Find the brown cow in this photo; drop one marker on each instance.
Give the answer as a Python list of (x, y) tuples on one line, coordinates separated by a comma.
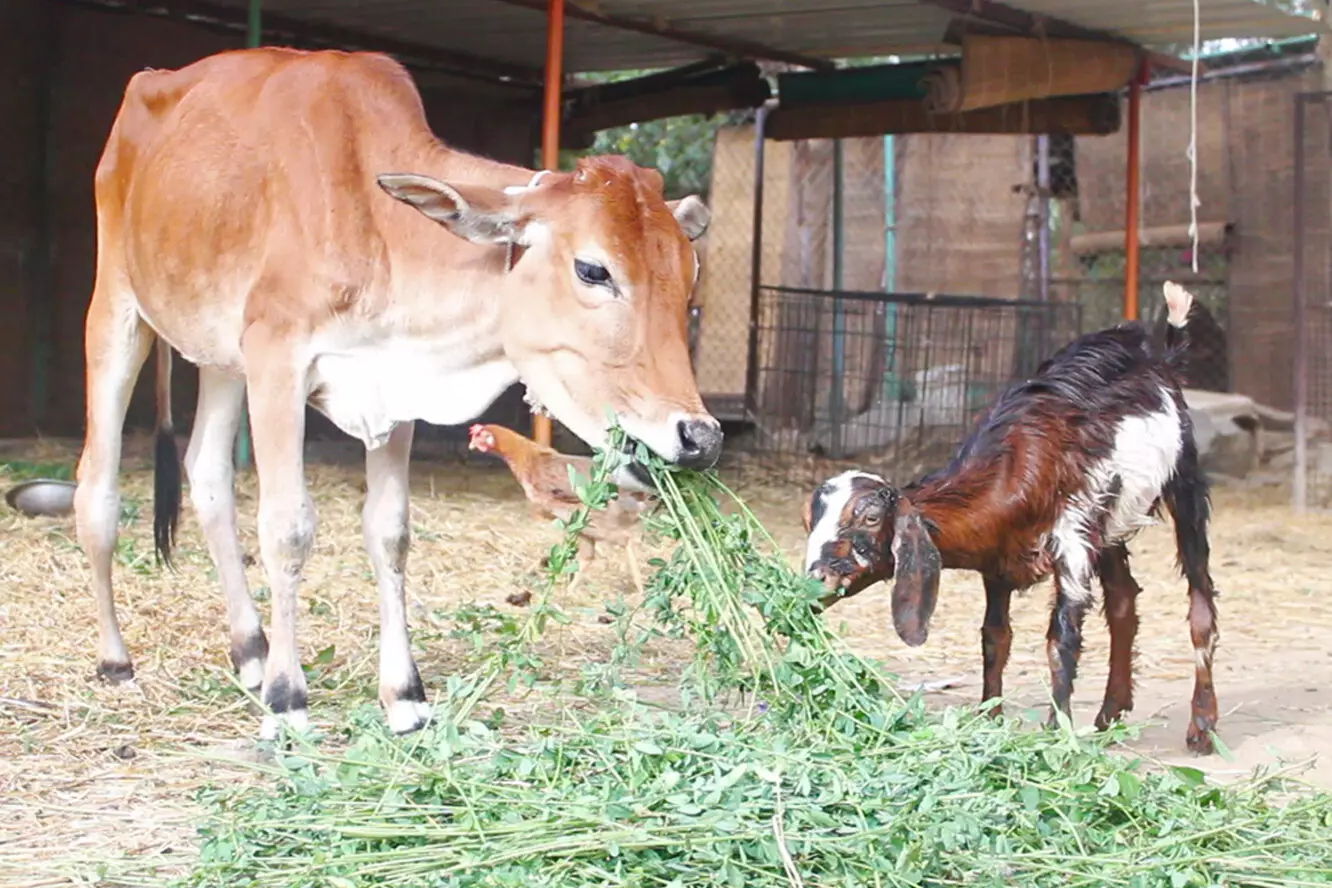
[(268, 214)]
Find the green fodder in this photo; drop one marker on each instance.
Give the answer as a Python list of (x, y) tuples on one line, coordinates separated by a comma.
[(828, 780)]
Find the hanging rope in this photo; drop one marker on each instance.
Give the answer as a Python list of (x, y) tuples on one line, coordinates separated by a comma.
[(1193, 134)]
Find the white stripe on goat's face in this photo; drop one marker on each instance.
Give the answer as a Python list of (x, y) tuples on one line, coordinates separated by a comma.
[(826, 510), (1119, 493)]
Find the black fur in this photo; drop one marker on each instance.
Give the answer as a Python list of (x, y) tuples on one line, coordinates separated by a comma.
[(282, 697), (1092, 382), (166, 495), (1188, 497), (115, 673), (253, 648)]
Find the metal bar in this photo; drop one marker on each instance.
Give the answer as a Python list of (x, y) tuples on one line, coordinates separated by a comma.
[(1299, 483), (658, 27), (756, 265), (281, 29), (1043, 208), (1133, 198), (838, 395), (892, 383), (551, 117), (1235, 71)]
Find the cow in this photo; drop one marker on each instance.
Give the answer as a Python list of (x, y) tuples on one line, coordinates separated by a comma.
[(288, 222)]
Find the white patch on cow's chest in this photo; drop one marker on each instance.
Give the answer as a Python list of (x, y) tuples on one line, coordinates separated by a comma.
[(1120, 492), (367, 390)]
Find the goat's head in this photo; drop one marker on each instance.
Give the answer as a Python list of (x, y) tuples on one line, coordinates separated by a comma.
[(862, 530)]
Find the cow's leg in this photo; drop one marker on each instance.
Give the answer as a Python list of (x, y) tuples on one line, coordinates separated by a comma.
[(208, 464), (277, 396), (116, 343), (1073, 595), (387, 537), (996, 639), (1186, 496), (1121, 615)]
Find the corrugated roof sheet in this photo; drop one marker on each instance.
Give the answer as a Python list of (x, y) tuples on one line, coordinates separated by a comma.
[(825, 28)]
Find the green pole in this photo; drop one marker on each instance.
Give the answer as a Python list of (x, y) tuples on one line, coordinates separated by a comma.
[(253, 34)]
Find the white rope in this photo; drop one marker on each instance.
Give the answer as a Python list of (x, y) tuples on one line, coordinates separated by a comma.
[(1193, 134)]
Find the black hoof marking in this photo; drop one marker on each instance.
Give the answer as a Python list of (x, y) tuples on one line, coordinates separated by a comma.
[(282, 697), (115, 673)]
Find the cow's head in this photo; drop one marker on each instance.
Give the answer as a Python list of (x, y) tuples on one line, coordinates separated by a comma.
[(861, 530), (594, 309)]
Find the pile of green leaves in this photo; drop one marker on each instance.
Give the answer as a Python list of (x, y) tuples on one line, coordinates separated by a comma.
[(828, 781)]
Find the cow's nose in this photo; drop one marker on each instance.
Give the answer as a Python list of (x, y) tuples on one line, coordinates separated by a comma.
[(700, 442)]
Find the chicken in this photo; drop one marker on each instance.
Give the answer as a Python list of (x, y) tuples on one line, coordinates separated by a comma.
[(544, 475)]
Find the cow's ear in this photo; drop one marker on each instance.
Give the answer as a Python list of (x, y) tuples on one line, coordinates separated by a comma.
[(475, 213)]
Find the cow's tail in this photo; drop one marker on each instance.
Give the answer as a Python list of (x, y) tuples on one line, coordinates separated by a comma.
[(166, 463)]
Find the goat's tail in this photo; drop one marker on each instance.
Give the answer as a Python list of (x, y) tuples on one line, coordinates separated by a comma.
[(1179, 306), (166, 462)]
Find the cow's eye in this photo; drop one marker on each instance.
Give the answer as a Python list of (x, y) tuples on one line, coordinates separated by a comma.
[(591, 273)]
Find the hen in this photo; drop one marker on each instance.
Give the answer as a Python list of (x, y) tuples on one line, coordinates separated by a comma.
[(544, 475)]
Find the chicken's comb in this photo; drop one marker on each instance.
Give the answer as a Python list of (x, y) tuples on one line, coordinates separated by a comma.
[(476, 427)]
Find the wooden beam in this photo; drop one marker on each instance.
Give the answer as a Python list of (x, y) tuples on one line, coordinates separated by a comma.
[(276, 27), (993, 16), (1065, 115), (1210, 234), (1133, 200), (660, 28), (743, 87)]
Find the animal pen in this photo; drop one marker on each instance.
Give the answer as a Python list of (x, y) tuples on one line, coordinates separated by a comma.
[(865, 296)]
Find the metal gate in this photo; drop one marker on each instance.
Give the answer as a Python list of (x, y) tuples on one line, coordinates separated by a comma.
[(1312, 273)]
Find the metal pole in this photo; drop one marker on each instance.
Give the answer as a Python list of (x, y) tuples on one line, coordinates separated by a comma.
[(756, 267), (253, 37), (550, 134), (1043, 208), (839, 310), (1132, 203), (1299, 483), (891, 383)]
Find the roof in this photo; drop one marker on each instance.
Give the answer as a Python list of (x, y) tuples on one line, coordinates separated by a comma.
[(513, 32)]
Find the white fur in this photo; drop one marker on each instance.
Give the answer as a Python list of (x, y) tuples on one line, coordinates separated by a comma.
[(251, 674), (296, 720), (1178, 302), (1145, 452), (829, 523), (369, 389), (407, 715)]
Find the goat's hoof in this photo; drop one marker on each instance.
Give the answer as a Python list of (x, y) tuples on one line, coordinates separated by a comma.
[(519, 599), (1199, 738), (1111, 714)]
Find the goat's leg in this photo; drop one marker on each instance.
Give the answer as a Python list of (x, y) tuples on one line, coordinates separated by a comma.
[(1063, 645), (1186, 496), (1121, 615), (996, 639)]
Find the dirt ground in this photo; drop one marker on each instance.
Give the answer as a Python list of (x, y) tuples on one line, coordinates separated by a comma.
[(89, 771)]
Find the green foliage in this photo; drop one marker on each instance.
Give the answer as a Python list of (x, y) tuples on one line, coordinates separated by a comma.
[(825, 781)]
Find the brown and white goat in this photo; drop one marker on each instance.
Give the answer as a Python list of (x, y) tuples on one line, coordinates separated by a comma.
[(1060, 473)]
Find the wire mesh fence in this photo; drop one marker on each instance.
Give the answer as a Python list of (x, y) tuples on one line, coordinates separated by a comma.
[(889, 380), (1313, 299)]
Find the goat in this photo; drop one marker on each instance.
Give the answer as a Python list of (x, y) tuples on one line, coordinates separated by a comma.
[(1060, 472)]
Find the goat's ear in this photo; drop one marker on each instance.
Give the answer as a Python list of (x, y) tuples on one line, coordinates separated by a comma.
[(917, 567), (807, 513)]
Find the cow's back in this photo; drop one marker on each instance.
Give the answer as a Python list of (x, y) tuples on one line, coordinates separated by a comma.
[(246, 172)]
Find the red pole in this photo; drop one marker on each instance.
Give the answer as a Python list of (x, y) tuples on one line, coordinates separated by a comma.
[(550, 133), (1132, 203)]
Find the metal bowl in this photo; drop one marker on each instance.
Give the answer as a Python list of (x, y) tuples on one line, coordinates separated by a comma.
[(42, 496)]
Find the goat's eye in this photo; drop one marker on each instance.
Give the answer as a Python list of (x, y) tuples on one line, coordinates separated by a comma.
[(591, 273)]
